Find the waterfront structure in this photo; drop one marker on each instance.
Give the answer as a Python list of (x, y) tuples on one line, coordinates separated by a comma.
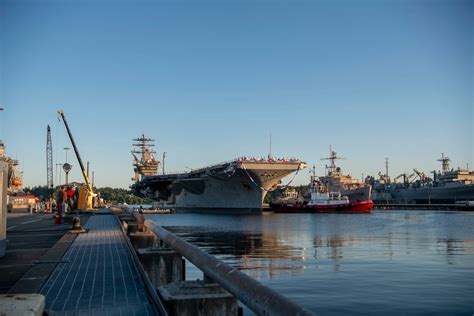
[(23, 201), (3, 204), (238, 185), (14, 175)]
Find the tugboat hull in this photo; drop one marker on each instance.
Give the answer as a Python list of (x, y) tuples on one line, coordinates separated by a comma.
[(352, 207)]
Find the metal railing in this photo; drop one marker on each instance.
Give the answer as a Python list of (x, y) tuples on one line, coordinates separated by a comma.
[(258, 297)]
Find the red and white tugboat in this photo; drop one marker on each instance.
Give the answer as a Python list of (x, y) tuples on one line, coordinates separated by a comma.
[(323, 201)]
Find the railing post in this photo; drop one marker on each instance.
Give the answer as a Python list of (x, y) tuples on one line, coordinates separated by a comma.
[(142, 238)]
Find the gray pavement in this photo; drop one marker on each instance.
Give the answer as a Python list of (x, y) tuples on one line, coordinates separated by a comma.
[(97, 275), (29, 238)]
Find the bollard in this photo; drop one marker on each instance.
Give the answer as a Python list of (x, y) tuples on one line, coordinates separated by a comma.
[(132, 228), (76, 226), (140, 221), (197, 298), (162, 265)]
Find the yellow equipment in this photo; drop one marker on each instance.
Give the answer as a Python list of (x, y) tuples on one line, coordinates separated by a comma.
[(86, 192), (85, 200)]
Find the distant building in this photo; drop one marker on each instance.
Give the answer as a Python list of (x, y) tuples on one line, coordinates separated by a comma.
[(23, 201)]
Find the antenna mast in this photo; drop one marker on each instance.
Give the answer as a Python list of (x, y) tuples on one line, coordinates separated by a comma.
[(445, 162), (332, 169), (270, 153)]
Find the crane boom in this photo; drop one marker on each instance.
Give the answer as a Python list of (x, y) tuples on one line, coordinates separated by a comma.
[(84, 173)]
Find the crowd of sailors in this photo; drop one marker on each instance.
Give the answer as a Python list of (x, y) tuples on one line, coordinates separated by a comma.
[(267, 159), (65, 199)]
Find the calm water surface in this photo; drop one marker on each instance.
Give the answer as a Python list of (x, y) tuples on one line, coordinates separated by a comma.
[(388, 262)]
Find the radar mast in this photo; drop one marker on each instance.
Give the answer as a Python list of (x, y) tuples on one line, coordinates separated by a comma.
[(146, 165)]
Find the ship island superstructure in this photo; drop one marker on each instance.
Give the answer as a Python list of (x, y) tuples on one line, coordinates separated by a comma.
[(238, 185), (147, 165), (335, 180)]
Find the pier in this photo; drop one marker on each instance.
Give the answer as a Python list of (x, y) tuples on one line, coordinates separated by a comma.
[(122, 265), (432, 207), (98, 275), (34, 246)]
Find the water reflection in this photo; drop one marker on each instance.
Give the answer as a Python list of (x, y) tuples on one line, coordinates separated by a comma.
[(373, 262), (266, 254), (282, 242)]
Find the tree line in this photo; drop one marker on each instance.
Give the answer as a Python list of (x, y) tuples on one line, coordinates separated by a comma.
[(110, 195), (119, 195)]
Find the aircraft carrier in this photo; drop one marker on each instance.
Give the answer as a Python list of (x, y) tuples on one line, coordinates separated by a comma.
[(238, 185)]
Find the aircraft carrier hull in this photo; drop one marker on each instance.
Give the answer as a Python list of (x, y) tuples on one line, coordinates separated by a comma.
[(238, 186)]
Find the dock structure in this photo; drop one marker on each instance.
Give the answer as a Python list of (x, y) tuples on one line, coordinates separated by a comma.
[(3, 202), (34, 246), (430, 207), (123, 265), (98, 275)]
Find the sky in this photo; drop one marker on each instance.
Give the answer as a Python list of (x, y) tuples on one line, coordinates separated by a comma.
[(210, 80)]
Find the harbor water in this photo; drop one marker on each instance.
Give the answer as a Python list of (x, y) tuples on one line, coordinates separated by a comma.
[(388, 262)]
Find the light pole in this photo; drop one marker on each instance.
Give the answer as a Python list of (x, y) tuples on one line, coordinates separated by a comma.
[(66, 150), (164, 156), (58, 173)]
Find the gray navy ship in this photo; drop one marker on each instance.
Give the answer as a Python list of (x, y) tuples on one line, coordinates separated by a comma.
[(336, 181), (239, 185), (448, 186)]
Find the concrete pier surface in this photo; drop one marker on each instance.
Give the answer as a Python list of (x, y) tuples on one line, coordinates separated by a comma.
[(97, 275), (33, 245)]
